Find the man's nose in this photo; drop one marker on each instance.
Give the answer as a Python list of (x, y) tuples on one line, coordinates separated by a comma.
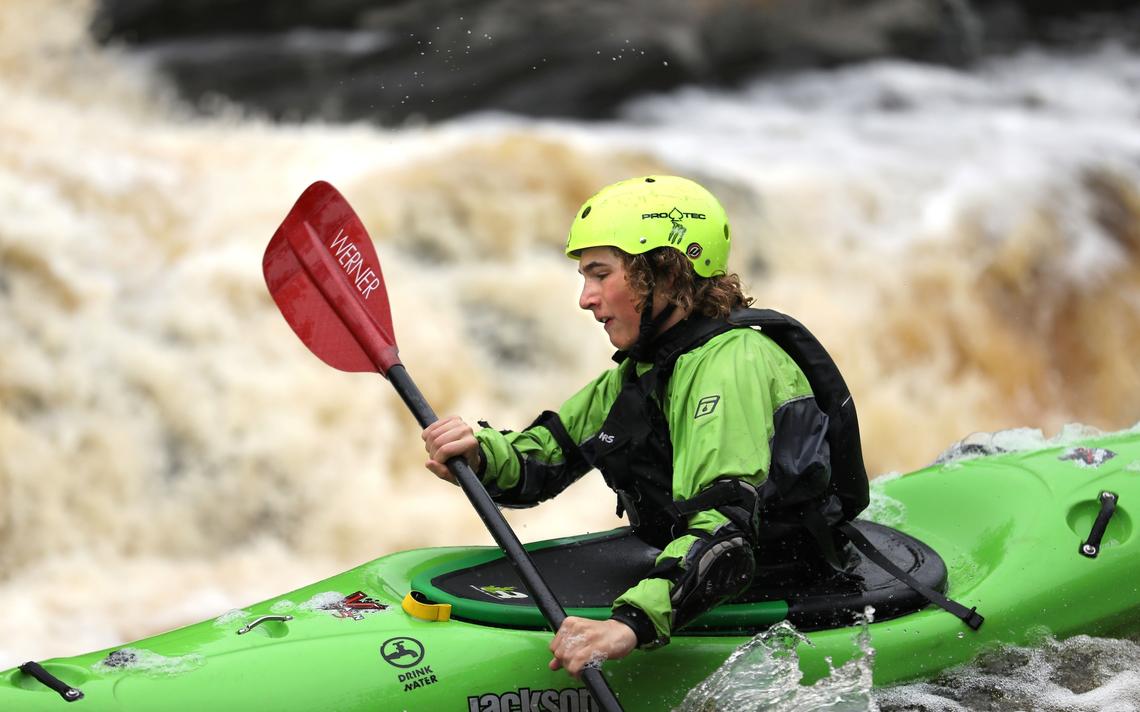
[(588, 298)]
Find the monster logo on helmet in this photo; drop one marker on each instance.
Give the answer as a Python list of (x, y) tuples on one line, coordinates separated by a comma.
[(640, 214)]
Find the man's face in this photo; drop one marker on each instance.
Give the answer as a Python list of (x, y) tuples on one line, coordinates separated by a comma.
[(606, 294)]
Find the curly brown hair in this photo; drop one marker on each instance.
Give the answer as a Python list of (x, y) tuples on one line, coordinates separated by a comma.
[(713, 297)]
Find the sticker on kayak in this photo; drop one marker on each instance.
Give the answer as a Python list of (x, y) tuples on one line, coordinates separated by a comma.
[(502, 593), (571, 699), (402, 652), (406, 653), (1088, 456), (354, 606)]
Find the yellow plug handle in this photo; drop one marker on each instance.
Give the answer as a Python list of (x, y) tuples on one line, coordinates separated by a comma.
[(416, 605)]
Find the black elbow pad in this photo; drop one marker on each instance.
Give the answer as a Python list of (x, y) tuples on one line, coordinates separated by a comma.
[(716, 569)]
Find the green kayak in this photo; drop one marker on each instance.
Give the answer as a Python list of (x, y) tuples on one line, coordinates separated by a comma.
[(1036, 541)]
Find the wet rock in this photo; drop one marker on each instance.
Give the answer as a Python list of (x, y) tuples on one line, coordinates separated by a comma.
[(394, 61), (351, 59)]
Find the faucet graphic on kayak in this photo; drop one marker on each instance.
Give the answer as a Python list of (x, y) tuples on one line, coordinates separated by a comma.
[(395, 650), (400, 652)]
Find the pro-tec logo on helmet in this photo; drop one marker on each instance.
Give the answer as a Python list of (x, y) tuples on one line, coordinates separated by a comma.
[(675, 216)]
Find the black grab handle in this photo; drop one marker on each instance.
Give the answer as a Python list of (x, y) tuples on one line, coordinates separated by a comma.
[(67, 692), (1091, 546)]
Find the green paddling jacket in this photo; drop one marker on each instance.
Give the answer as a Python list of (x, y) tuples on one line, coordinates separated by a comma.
[(728, 405)]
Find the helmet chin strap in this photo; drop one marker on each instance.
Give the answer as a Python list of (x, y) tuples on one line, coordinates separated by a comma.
[(650, 325)]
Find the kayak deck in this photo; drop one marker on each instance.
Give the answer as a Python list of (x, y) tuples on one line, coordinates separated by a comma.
[(587, 573)]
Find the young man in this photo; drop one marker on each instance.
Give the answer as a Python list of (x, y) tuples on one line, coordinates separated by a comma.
[(686, 428)]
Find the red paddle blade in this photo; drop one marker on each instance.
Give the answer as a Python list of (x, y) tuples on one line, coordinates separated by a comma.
[(323, 273)]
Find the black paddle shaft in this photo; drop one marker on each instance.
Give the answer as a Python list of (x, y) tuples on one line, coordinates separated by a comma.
[(503, 534)]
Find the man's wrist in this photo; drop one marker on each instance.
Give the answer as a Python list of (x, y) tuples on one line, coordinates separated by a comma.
[(639, 622)]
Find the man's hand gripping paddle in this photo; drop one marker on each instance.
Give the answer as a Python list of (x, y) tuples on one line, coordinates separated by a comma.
[(324, 275)]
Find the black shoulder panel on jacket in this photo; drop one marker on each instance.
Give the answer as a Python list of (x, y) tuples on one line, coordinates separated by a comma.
[(848, 473)]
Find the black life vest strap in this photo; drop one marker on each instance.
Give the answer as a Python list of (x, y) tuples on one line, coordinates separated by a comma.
[(723, 495), (969, 616), (668, 569), (723, 492), (812, 520), (550, 420)]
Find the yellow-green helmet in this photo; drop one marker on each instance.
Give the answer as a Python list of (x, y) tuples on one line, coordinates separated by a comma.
[(640, 214)]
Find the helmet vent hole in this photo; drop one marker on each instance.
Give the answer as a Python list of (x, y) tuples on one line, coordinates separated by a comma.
[(725, 230), (643, 240), (586, 211), (650, 180), (708, 262)]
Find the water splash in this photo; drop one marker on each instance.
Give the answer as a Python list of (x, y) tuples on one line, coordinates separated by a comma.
[(597, 658), (882, 508), (147, 662), (229, 617), (1080, 674), (322, 601), (283, 606), (764, 674), (978, 445)]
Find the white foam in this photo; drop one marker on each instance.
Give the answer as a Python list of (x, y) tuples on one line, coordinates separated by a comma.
[(148, 663), (227, 618), (883, 509), (283, 606), (1020, 440), (322, 601), (1081, 674)]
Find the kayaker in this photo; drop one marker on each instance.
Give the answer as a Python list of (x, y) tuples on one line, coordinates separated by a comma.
[(685, 428)]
